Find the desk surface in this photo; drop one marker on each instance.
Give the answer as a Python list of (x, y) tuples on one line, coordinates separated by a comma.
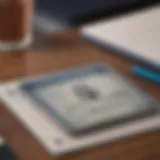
[(66, 50)]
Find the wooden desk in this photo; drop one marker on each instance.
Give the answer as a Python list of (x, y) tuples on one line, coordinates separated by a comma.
[(68, 50)]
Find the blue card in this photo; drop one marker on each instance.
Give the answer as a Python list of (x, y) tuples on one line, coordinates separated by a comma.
[(86, 98)]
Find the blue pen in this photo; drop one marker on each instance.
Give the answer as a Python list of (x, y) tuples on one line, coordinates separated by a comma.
[(147, 74)]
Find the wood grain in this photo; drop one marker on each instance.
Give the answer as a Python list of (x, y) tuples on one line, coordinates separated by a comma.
[(68, 50)]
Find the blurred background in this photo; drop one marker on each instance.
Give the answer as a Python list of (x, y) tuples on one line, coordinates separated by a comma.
[(55, 16)]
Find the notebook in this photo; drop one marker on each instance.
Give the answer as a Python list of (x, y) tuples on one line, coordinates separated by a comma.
[(135, 35)]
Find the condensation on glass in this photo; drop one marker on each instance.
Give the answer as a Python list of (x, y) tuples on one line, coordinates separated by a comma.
[(15, 24)]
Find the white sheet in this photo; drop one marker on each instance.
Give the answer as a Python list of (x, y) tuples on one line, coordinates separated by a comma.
[(138, 33)]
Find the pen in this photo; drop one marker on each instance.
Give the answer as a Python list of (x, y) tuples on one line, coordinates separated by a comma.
[(146, 73)]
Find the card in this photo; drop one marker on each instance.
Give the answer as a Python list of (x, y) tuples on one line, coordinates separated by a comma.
[(89, 98)]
